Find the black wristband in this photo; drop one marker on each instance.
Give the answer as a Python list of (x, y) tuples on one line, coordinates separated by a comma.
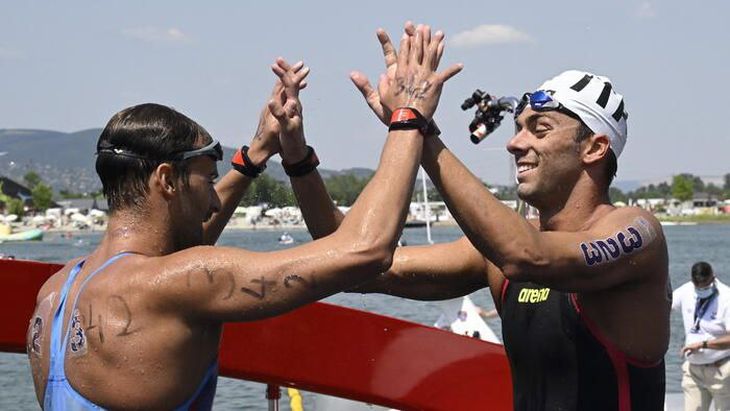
[(243, 164), (408, 118), (303, 166), (432, 129)]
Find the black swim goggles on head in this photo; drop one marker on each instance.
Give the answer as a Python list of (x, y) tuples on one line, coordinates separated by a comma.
[(213, 150), (540, 100)]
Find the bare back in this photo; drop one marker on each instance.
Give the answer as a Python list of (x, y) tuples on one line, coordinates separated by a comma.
[(120, 329)]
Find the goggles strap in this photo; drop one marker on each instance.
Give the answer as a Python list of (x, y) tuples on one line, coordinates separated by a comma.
[(243, 164)]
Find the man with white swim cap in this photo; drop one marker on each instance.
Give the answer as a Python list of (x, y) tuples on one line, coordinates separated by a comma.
[(583, 292)]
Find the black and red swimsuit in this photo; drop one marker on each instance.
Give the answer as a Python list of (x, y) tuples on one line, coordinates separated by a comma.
[(560, 360)]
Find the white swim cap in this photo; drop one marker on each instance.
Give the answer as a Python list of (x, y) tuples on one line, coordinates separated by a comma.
[(593, 99)]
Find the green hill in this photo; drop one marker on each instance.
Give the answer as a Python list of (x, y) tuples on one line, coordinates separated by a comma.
[(66, 160)]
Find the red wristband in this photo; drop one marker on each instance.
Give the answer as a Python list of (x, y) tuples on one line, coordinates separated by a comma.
[(408, 118), (243, 164)]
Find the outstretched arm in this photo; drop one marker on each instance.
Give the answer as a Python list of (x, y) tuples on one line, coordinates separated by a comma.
[(318, 210), (222, 284), (423, 273), (625, 245), (437, 272), (233, 185)]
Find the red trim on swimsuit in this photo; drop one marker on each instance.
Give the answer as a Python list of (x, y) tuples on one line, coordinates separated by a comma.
[(618, 358), (593, 328), (504, 290)]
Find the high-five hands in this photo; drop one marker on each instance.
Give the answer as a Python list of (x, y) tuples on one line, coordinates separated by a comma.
[(410, 78), (287, 109)]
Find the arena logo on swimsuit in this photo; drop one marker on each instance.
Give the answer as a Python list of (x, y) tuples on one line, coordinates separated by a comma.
[(621, 243), (533, 295)]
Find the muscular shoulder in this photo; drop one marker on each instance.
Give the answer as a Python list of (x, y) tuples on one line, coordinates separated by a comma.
[(632, 227), (620, 218), (629, 243)]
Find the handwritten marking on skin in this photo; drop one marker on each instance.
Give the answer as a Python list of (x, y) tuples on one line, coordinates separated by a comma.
[(126, 315), (411, 90), (633, 238), (91, 325), (211, 277), (232, 285), (263, 283), (295, 278)]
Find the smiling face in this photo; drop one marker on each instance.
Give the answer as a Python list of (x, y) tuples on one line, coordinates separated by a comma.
[(547, 156)]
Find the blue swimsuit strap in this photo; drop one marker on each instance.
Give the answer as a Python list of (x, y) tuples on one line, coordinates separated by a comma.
[(57, 363), (58, 317)]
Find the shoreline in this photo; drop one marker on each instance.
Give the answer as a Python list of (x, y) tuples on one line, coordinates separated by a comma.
[(240, 226), (699, 219), (231, 226)]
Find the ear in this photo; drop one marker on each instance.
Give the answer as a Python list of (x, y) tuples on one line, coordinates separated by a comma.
[(163, 180), (595, 148)]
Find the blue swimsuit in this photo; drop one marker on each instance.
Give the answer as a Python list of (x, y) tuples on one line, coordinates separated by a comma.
[(60, 395)]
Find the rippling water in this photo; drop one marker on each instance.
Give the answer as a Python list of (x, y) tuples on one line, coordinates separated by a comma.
[(687, 244)]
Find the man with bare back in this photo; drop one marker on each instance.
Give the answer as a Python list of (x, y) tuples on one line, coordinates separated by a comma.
[(137, 323), (583, 293)]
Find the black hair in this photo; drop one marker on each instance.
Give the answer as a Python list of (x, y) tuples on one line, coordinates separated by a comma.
[(701, 272), (149, 134), (585, 132)]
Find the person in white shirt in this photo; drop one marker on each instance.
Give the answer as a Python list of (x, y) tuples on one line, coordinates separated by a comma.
[(705, 306)]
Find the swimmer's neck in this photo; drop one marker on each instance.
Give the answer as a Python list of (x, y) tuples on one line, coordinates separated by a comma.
[(128, 231), (579, 212)]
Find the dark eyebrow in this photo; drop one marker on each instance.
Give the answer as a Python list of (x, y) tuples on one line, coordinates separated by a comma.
[(534, 117)]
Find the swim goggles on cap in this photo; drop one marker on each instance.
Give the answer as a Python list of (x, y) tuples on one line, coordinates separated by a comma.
[(540, 100), (213, 150)]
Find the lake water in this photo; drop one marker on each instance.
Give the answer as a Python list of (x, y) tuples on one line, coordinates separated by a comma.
[(687, 244)]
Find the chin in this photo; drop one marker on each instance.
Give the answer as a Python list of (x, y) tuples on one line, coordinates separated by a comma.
[(529, 195), (524, 192)]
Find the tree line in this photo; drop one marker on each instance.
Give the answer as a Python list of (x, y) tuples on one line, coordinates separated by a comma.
[(345, 188)]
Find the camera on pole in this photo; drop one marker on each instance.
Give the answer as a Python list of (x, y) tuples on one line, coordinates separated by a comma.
[(489, 113)]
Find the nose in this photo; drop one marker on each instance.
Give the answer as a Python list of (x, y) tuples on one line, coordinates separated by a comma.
[(517, 145)]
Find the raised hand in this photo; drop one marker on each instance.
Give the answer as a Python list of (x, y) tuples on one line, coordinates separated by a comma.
[(363, 84), (265, 142), (287, 109), (372, 96), (415, 83)]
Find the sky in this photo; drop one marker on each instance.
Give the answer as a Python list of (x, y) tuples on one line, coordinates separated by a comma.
[(69, 66)]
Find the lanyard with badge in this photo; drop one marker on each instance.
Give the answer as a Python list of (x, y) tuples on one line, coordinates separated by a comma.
[(701, 308)]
